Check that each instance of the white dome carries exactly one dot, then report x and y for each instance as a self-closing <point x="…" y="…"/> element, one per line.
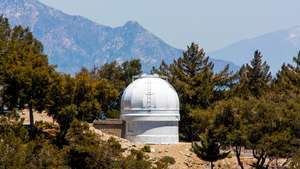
<point x="150" y="108"/>
<point x="150" y="95"/>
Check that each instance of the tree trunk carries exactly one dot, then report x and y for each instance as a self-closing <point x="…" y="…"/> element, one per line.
<point x="31" y="119"/>
<point x="238" y="156"/>
<point x="212" y="165"/>
<point x="2" y="109"/>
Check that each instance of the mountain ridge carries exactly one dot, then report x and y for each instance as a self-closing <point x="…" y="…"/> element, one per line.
<point x="277" y="47"/>
<point x="72" y="42"/>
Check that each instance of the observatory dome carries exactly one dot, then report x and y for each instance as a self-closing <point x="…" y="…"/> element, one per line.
<point x="150" y="108"/>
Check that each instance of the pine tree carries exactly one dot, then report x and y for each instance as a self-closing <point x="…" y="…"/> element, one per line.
<point x="197" y="85"/>
<point x="129" y="69"/>
<point x="108" y="97"/>
<point x="254" y="78"/>
<point x="62" y="93"/>
<point x="25" y="73"/>
<point x="111" y="79"/>
<point x="288" y="78"/>
<point x="296" y="59"/>
<point x="4" y="29"/>
<point x="208" y="149"/>
<point x="230" y="125"/>
<point x="111" y="72"/>
<point x="84" y="97"/>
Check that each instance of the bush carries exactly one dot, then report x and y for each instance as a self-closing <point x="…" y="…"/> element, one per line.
<point x="295" y="162"/>
<point x="84" y="150"/>
<point x="164" y="162"/>
<point x="168" y="160"/>
<point x="146" y="149"/>
<point x="137" y="160"/>
<point x="18" y="151"/>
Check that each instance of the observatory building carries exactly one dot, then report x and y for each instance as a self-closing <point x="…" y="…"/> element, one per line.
<point x="150" y="108"/>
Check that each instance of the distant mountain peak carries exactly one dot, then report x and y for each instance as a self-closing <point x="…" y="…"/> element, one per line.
<point x="133" y="26"/>
<point x="277" y="47"/>
<point x="74" y="41"/>
<point x="19" y="3"/>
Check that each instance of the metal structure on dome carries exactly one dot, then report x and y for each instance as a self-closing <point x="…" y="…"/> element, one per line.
<point x="150" y="107"/>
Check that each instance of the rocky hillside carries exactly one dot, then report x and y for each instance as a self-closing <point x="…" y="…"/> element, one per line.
<point x="74" y="41"/>
<point x="181" y="152"/>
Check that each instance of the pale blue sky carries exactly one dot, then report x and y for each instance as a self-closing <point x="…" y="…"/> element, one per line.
<point x="211" y="23"/>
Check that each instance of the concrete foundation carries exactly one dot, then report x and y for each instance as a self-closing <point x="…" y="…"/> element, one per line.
<point x="114" y="127"/>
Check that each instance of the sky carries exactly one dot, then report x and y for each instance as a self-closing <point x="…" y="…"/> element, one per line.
<point x="211" y="23"/>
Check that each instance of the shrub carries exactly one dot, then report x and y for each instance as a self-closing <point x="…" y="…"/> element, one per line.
<point x="146" y="149"/>
<point x="168" y="160"/>
<point x="164" y="162"/>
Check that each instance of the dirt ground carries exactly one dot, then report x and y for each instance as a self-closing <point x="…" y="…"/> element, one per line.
<point x="24" y="114"/>
<point x="186" y="159"/>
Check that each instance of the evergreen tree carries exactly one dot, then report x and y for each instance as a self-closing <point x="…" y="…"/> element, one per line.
<point x="108" y="97"/>
<point x="129" y="69"/>
<point x="62" y="93"/>
<point x="271" y="132"/>
<point x="209" y="149"/>
<point x="111" y="72"/>
<point x="230" y="125"/>
<point x="288" y="78"/>
<point x="254" y="78"/>
<point x="64" y="118"/>
<point x="88" y="152"/>
<point x="4" y="29"/>
<point x="197" y="85"/>
<point x="84" y="97"/>
<point x="296" y="59"/>
<point x="111" y="79"/>
<point x="25" y="72"/>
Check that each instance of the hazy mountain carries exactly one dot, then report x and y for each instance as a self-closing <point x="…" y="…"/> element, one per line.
<point x="277" y="47"/>
<point x="74" y="41"/>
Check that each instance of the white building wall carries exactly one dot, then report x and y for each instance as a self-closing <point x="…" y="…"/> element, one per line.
<point x="152" y="132"/>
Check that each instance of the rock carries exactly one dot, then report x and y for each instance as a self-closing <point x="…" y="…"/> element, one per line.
<point x="188" y="155"/>
<point x="188" y="164"/>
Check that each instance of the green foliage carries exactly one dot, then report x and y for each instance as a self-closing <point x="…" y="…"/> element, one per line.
<point x="44" y="155"/>
<point x="146" y="149"/>
<point x="112" y="78"/>
<point x="197" y="85"/>
<point x="296" y="60"/>
<point x="165" y="162"/>
<point x="64" y="118"/>
<point x="137" y="159"/>
<point x="254" y="78"/>
<point x="25" y="72"/>
<point x="130" y="69"/>
<point x="271" y="135"/>
<point x="288" y="78"/>
<point x="17" y="152"/>
<point x="86" y="151"/>
<point x="229" y="125"/>
<point x="208" y="148"/>
<point x="84" y="97"/>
